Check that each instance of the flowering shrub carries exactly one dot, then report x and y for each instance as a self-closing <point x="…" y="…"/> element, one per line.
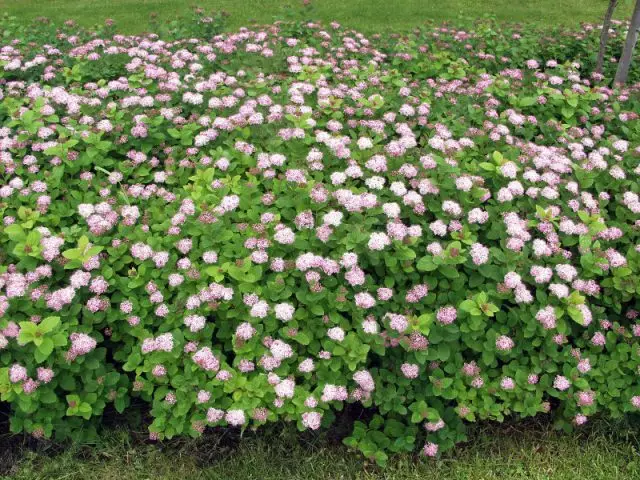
<point x="266" y="225"/>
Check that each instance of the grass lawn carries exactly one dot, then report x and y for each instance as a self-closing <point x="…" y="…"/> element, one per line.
<point x="132" y="16"/>
<point x="529" y="452"/>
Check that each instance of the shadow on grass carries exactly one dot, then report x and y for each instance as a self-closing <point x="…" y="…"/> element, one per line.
<point x="530" y="448"/>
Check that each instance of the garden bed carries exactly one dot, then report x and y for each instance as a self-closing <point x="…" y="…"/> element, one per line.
<point x="440" y="227"/>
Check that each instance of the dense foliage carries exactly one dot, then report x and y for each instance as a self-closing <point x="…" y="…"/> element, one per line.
<point x="266" y="225"/>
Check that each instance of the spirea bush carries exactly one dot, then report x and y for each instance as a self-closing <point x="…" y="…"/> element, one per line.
<point x="270" y="224"/>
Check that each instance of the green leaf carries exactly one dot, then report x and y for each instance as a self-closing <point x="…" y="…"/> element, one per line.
<point x="575" y="314"/>
<point x="45" y="349"/>
<point x="425" y="264"/>
<point x="567" y="112"/>
<point x="471" y="307"/>
<point x="405" y="253"/>
<point x="448" y="271"/>
<point x="47" y="396"/>
<point x="15" y="233"/>
<point x="527" y="101"/>
<point x="120" y="404"/>
<point x="443" y="352"/>
<point x="487" y="166"/>
<point x="72" y="254"/>
<point x="49" y="324"/>
<point x="59" y="339"/>
<point x="68" y="383"/>
<point x="85" y="410"/>
<point x="27" y="333"/>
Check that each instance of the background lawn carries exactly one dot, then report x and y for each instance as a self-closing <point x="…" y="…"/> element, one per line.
<point x="132" y="16"/>
<point x="520" y="452"/>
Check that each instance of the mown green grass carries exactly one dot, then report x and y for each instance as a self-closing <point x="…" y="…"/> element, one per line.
<point x="531" y="452"/>
<point x="132" y="16"/>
